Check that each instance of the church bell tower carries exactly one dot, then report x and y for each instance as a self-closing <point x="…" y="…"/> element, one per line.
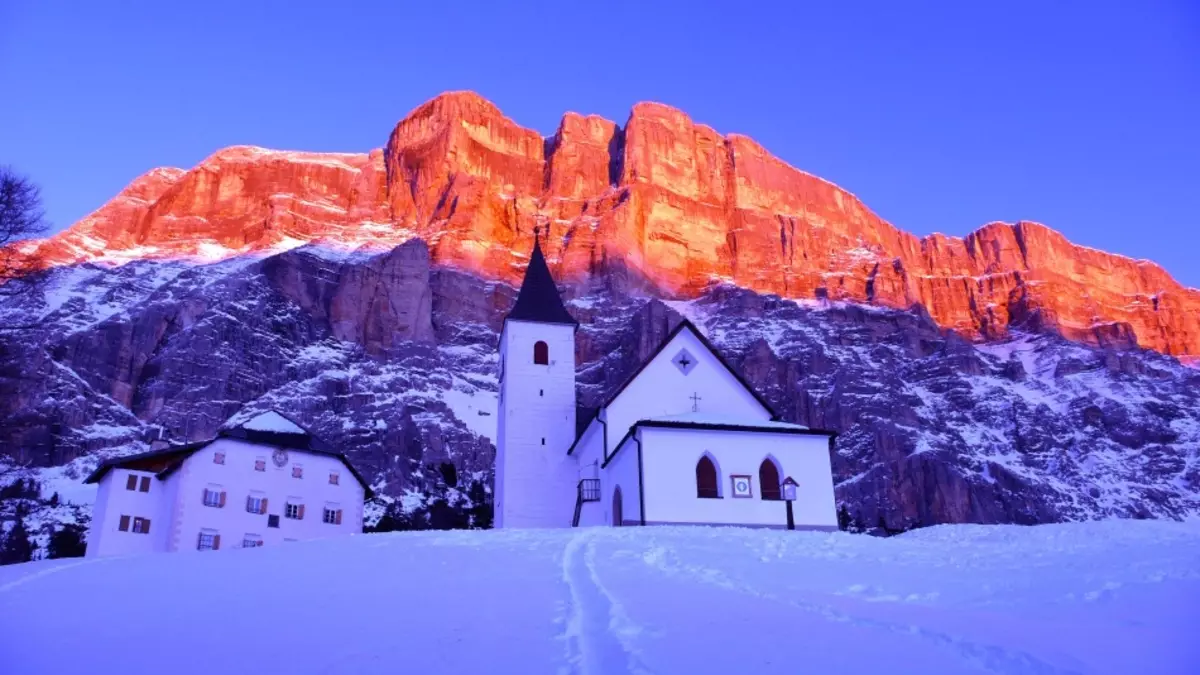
<point x="535" y="478"/>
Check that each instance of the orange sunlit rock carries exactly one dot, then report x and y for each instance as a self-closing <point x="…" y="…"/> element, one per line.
<point x="664" y="197"/>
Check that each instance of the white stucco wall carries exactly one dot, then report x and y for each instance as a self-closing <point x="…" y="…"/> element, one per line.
<point x="669" y="458"/>
<point x="661" y="389"/>
<point x="535" y="478"/>
<point x="589" y="454"/>
<point x="113" y="500"/>
<point x="238" y="478"/>
<point x="622" y="472"/>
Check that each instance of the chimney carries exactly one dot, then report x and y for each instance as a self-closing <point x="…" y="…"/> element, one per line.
<point x="160" y="441"/>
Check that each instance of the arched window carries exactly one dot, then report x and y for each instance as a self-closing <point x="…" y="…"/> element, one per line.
<point x="618" y="513"/>
<point x="541" y="353"/>
<point x="706" y="478"/>
<point x="768" y="479"/>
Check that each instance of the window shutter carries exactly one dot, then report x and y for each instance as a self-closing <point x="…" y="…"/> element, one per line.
<point x="216" y="541"/>
<point x="222" y="502"/>
<point x="337" y="519"/>
<point x="263" y="508"/>
<point x="145" y="526"/>
<point x="145" y="486"/>
<point x="249" y="502"/>
<point x="204" y="496"/>
<point x="300" y="515"/>
<point x="124" y="526"/>
<point x="199" y="541"/>
<point x="131" y="482"/>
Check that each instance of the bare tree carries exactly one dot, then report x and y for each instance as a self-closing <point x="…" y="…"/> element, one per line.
<point x="21" y="218"/>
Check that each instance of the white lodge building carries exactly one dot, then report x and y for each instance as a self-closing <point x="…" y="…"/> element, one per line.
<point x="260" y="483"/>
<point x="685" y="440"/>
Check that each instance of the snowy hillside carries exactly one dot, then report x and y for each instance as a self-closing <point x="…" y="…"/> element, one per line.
<point x="1099" y="597"/>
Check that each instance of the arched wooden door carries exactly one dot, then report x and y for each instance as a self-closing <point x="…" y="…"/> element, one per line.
<point x="618" y="515"/>
<point x="768" y="480"/>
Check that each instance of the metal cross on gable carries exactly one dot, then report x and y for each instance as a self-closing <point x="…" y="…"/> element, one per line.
<point x="695" y="401"/>
<point x="684" y="360"/>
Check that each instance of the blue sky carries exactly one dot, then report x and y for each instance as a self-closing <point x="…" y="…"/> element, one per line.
<point x="940" y="116"/>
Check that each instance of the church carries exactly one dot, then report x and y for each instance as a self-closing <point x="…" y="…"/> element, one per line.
<point x="684" y="441"/>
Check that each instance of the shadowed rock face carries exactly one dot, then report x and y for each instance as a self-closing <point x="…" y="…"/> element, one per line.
<point x="670" y="201"/>
<point x="393" y="360"/>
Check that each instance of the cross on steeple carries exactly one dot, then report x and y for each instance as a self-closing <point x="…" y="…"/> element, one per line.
<point x="695" y="401"/>
<point x="536" y="232"/>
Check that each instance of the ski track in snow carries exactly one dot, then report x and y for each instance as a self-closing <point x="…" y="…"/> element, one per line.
<point x="990" y="658"/>
<point x="599" y="633"/>
<point x="41" y="574"/>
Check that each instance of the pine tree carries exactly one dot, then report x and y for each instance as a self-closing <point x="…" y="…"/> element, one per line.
<point x="481" y="511"/>
<point x="67" y="542"/>
<point x="15" y="546"/>
<point x="843" y="517"/>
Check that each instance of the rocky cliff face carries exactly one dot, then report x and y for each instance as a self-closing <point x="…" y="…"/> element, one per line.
<point x="392" y="359"/>
<point x="1005" y="377"/>
<point x="671" y="201"/>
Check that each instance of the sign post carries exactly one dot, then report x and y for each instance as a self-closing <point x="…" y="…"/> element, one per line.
<point x="789" y="495"/>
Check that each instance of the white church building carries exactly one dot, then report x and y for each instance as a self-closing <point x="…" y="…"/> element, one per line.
<point x="685" y="440"/>
<point x="260" y="483"/>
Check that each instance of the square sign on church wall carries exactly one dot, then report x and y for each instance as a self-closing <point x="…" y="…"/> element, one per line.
<point x="741" y="487"/>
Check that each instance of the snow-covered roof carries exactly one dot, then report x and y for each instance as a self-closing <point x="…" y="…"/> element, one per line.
<point x="274" y="422"/>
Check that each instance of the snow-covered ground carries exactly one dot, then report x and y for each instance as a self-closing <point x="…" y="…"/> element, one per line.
<point x="1100" y="597"/>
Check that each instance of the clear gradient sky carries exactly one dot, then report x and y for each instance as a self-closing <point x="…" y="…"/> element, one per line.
<point x="940" y="116"/>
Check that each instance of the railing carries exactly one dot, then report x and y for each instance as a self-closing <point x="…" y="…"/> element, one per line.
<point x="588" y="491"/>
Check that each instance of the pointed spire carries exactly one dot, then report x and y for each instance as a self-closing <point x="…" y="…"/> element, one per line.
<point x="538" y="299"/>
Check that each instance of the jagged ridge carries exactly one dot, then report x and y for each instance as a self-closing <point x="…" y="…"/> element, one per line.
<point x="672" y="201"/>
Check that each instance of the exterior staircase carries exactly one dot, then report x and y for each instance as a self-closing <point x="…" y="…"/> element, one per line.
<point x="588" y="491"/>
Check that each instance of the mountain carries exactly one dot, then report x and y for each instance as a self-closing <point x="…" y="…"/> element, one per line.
<point x="1005" y="377"/>
<point x="668" y="199"/>
<point x="1082" y="598"/>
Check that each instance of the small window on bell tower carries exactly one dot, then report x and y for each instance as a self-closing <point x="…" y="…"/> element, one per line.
<point x="541" y="353"/>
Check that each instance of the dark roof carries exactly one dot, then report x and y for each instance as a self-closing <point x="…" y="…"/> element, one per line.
<point x="538" y="299"/>
<point x="707" y="345"/>
<point x="719" y="426"/>
<point x="707" y="426"/>
<point x="583" y="418"/>
<point x="176" y="454"/>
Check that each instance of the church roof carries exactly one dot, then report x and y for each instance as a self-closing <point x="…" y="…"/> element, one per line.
<point x="713" y="420"/>
<point x="685" y="324"/>
<point x="538" y="299"/>
<point x="582" y="423"/>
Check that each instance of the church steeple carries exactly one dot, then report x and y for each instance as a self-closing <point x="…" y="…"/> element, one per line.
<point x="538" y="300"/>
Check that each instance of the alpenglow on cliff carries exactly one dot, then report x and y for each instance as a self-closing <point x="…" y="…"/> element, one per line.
<point x="672" y="201"/>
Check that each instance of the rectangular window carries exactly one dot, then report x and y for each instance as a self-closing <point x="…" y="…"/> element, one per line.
<point x="131" y="482"/>
<point x="141" y="525"/>
<point x="124" y="526"/>
<point x="218" y="458"/>
<point x="272" y="521"/>
<point x="209" y="541"/>
<point x="214" y="496"/>
<point x="297" y="471"/>
<point x="145" y="485"/>
<point x="256" y="504"/>
<point x="294" y="511"/>
<point x="260" y="464"/>
<point x="332" y="516"/>
<point x="333" y="478"/>
<point x="252" y="541"/>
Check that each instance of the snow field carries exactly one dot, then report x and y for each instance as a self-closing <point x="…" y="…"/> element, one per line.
<point x="1099" y="597"/>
